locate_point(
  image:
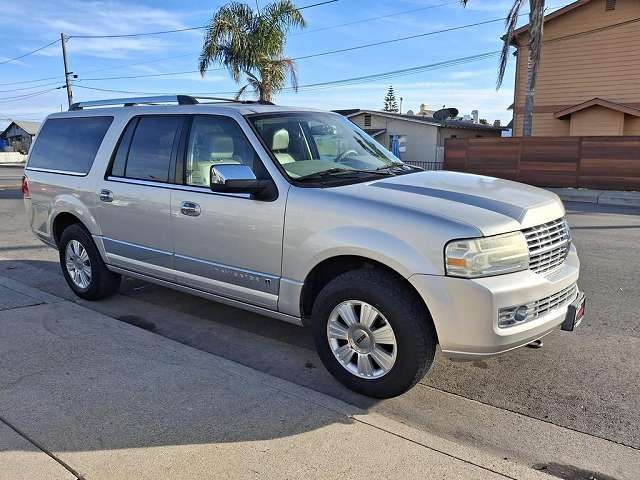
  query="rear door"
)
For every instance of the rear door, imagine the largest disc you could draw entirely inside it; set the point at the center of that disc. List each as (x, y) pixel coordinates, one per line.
(135, 196)
(227, 244)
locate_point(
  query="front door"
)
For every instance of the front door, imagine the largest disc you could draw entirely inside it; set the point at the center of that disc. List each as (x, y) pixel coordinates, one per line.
(135, 197)
(227, 244)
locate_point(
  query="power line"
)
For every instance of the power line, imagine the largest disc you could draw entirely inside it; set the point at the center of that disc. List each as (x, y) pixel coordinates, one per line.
(30, 88)
(179, 30)
(371, 19)
(400, 39)
(313, 55)
(32, 81)
(29, 53)
(335, 83)
(29, 95)
(328, 27)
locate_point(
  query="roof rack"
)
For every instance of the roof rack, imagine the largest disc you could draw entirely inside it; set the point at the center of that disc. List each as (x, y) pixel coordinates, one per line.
(179, 99)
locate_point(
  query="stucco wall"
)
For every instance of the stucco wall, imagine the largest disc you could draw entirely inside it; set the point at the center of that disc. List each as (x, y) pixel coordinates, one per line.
(422, 138)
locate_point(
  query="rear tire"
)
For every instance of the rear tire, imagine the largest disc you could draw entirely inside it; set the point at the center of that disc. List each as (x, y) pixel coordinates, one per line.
(385, 322)
(82, 266)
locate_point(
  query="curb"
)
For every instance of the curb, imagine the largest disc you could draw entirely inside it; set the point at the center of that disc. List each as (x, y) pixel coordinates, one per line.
(599, 197)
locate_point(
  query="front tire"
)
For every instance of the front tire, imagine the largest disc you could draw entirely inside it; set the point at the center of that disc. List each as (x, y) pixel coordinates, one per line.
(373, 333)
(82, 266)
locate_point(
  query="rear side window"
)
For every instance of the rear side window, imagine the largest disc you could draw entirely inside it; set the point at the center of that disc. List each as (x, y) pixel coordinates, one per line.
(69, 144)
(145, 150)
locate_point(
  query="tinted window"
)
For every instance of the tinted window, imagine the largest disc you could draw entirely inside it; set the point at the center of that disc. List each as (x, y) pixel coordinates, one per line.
(214, 140)
(69, 144)
(120, 158)
(150, 152)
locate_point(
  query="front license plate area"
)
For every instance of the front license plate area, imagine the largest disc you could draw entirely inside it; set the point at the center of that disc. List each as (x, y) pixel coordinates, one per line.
(575, 313)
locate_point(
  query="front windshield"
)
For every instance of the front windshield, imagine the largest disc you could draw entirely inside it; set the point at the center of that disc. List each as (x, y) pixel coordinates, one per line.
(313, 145)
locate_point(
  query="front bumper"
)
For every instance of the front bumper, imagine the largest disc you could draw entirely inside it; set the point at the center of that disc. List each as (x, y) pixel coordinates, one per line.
(465, 311)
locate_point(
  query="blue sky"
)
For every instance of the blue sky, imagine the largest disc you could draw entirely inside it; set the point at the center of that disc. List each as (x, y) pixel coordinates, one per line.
(27, 25)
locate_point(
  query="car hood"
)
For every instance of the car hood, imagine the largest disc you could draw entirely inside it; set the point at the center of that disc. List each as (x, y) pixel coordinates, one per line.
(489, 204)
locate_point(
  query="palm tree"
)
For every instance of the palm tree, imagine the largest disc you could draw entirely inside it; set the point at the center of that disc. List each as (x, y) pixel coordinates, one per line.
(252, 43)
(536, 22)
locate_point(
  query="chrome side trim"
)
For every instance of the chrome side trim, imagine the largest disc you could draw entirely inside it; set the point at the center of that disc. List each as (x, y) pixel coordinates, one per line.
(211, 296)
(231, 275)
(52, 170)
(159, 258)
(175, 186)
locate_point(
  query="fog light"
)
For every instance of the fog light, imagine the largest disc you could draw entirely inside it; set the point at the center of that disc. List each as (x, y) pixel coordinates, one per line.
(510, 316)
(520, 314)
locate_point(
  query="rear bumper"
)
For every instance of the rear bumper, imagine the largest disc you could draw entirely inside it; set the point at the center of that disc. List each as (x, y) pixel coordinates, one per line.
(465, 312)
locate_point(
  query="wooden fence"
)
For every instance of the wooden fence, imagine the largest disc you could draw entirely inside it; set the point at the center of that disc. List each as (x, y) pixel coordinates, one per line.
(610, 163)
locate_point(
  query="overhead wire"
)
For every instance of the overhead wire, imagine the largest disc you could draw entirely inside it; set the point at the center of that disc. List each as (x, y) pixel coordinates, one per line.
(9, 60)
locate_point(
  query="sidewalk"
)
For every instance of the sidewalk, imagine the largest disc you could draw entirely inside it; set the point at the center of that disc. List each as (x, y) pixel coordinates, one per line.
(599, 197)
(84, 395)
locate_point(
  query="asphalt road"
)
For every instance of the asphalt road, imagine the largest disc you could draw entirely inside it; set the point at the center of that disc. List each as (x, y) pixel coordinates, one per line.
(10, 176)
(586, 381)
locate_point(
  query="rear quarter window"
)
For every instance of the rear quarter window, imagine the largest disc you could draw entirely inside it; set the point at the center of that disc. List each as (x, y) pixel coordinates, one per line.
(69, 144)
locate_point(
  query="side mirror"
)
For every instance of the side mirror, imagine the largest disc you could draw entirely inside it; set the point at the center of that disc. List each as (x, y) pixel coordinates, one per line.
(238, 178)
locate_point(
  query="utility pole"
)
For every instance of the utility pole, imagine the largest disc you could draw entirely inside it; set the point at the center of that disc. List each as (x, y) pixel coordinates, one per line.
(67, 73)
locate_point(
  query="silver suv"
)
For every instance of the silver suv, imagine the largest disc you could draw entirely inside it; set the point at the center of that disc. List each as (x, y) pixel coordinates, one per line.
(299, 215)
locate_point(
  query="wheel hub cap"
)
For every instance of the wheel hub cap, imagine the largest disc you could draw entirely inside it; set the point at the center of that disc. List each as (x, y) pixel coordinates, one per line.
(78, 264)
(361, 339)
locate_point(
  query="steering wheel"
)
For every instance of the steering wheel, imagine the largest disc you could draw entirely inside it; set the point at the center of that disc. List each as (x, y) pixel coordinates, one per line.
(344, 154)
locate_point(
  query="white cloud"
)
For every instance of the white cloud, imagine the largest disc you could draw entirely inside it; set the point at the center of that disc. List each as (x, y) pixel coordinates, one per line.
(46, 21)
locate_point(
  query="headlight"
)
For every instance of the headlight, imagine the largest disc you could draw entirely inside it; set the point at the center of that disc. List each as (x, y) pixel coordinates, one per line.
(482, 257)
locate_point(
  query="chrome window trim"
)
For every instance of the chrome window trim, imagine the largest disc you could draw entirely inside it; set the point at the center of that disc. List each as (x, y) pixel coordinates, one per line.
(175, 186)
(53, 170)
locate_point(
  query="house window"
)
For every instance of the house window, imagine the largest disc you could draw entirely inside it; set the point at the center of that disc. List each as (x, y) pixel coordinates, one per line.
(367, 120)
(611, 5)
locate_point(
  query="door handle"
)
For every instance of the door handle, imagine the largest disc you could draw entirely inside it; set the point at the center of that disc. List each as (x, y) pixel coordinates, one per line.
(106, 195)
(190, 209)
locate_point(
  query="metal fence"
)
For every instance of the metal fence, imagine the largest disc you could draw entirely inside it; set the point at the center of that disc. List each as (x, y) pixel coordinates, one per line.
(427, 165)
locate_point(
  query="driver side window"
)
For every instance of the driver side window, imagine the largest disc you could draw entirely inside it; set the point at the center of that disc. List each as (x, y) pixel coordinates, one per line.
(215, 140)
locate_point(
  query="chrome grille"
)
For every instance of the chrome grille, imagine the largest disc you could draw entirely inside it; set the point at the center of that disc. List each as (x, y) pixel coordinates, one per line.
(507, 316)
(548, 245)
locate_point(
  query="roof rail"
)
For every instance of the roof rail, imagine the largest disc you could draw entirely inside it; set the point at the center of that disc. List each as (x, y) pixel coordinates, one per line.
(179, 99)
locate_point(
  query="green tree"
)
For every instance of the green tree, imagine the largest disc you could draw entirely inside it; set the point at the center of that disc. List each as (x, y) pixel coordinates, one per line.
(390, 103)
(536, 22)
(483, 121)
(252, 43)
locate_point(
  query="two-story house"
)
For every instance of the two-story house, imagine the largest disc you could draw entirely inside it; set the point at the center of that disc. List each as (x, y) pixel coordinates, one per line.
(589, 77)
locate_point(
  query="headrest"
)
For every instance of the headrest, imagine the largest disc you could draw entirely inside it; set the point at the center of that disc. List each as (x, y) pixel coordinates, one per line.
(280, 140)
(221, 146)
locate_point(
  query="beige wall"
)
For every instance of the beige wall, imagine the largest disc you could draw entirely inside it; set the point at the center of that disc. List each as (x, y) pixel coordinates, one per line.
(631, 125)
(604, 64)
(424, 142)
(597, 121)
(422, 138)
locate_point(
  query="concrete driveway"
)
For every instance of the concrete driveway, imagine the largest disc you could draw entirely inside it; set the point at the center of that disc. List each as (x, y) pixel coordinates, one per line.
(572, 405)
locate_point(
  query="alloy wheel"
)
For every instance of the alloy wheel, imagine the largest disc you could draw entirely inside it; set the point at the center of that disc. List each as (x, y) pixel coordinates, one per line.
(78, 264)
(361, 339)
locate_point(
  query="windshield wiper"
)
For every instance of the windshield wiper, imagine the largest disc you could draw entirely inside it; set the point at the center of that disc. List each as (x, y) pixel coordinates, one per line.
(397, 166)
(337, 171)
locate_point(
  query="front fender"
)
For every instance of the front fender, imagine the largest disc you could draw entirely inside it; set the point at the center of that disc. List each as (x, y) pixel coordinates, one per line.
(359, 241)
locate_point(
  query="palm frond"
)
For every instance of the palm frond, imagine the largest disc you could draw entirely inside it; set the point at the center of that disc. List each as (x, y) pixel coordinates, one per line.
(253, 43)
(510, 25)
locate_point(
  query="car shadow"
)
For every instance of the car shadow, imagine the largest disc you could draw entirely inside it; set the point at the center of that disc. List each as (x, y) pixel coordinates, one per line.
(109, 388)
